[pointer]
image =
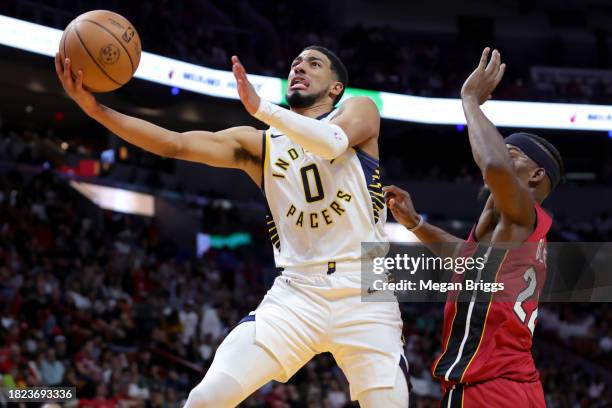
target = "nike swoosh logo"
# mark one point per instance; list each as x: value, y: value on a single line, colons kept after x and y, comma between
x: 275, y: 136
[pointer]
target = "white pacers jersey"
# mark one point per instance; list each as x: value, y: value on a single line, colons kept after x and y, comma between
x: 320, y: 210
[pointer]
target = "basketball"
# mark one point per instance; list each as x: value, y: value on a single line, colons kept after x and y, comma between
x: 105, y: 46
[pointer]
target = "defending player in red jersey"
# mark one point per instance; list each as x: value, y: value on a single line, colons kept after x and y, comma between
x: 486, y: 356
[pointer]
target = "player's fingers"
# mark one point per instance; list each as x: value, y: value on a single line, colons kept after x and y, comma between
x: 500, y: 73
x: 390, y: 189
x: 68, y: 72
x: 398, y: 192
x: 239, y: 74
x: 240, y: 80
x: 389, y: 194
x: 496, y: 61
x: 238, y: 65
x: 493, y: 62
x: 235, y: 72
x: 484, y: 58
x: 79, y: 81
x: 391, y: 204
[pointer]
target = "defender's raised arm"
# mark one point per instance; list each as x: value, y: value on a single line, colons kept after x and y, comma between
x: 488, y: 147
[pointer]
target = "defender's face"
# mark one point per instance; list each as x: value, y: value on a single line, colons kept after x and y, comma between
x: 522, y: 164
x: 524, y: 167
x: 310, y: 74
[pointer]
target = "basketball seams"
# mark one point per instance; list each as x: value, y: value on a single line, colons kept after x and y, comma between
x: 117, y: 39
x: 76, y: 31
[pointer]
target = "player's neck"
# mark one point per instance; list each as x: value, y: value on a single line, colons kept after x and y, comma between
x: 315, y: 110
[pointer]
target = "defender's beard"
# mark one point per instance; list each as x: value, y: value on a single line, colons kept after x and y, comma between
x: 298, y: 100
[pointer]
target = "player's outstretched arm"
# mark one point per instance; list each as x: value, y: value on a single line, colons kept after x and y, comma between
x: 238, y: 147
x: 488, y: 148
x: 357, y: 121
x: 440, y: 242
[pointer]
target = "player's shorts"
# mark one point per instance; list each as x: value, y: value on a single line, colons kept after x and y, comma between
x: 309, y: 311
x: 498, y: 393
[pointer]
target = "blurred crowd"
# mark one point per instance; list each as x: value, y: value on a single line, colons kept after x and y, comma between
x: 102, y: 302
x: 267, y: 35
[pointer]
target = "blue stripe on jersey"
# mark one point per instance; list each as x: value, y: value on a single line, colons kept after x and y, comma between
x: 323, y: 116
x: 247, y: 318
x: 368, y: 163
x: 404, y: 366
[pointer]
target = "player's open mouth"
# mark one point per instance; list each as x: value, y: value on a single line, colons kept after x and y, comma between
x: 299, y: 83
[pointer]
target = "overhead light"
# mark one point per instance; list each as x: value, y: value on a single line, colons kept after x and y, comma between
x: 117, y: 199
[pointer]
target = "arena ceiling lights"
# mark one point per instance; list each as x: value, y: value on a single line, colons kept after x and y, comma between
x: 441, y: 111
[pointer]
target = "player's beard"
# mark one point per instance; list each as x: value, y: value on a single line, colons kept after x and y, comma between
x: 484, y: 193
x: 299, y: 100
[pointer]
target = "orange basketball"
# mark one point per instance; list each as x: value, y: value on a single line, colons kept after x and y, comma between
x: 105, y: 46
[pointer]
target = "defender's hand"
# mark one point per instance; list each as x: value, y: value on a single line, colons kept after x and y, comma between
x: 400, y: 204
x: 246, y: 91
x: 74, y: 88
x: 482, y: 82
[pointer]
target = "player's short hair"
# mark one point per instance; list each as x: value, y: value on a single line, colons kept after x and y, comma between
x: 337, y: 67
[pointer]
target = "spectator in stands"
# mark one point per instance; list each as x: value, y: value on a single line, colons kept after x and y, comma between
x: 52, y: 370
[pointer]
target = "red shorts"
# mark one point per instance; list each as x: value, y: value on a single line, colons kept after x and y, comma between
x: 498, y: 393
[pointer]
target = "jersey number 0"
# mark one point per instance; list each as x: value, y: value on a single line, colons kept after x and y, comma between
x: 310, y: 175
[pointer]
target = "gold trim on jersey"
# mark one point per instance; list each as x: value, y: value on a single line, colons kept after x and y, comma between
x: 270, y: 225
x: 376, y: 194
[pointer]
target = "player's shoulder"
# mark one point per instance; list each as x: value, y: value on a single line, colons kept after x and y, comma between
x: 359, y: 102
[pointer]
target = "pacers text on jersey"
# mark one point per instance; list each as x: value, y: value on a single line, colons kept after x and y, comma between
x: 314, y: 218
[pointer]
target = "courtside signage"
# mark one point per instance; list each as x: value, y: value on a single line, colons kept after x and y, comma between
x: 44, y: 40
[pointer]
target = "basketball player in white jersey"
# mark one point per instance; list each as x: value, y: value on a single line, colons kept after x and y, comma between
x: 318, y: 169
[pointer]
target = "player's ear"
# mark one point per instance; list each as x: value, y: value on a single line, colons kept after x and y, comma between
x: 537, y: 176
x: 337, y: 88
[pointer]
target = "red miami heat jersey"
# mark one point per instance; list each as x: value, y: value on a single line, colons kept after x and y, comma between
x: 489, y: 335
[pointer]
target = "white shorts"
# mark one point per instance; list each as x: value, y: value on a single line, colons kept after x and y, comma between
x: 307, y: 312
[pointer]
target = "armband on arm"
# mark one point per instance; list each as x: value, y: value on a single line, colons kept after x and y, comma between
x: 323, y: 139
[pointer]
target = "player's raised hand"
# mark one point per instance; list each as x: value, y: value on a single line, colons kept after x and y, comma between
x: 401, y: 206
x: 74, y: 87
x: 482, y: 82
x: 246, y: 91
